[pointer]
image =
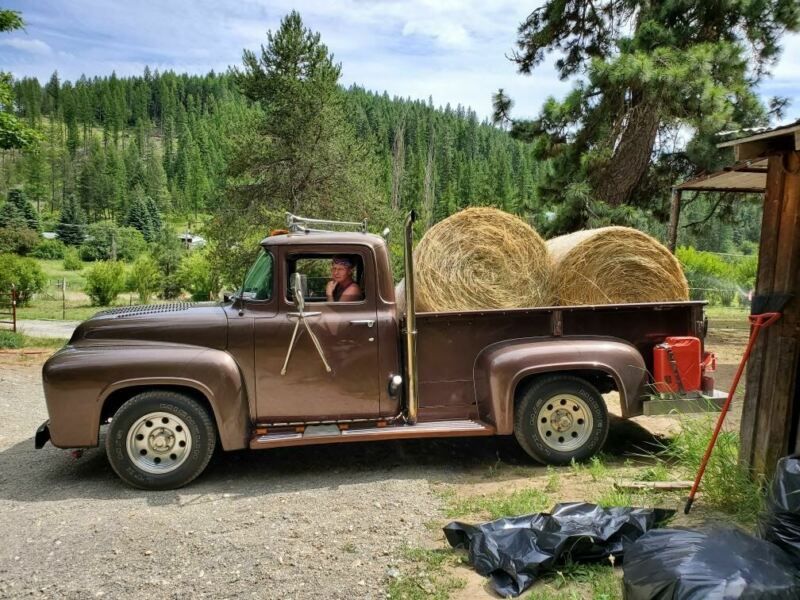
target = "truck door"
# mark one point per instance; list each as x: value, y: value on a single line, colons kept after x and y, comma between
x: 347, y: 332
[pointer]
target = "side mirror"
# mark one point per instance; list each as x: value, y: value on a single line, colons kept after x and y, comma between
x: 299, y: 286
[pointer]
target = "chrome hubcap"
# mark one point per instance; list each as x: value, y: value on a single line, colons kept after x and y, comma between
x: 564, y: 422
x: 159, y: 442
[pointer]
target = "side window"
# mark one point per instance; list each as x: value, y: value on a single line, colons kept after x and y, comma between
x: 258, y: 283
x: 328, y: 277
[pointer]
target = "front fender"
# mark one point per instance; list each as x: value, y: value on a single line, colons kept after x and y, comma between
x: 500, y: 368
x: 79, y: 379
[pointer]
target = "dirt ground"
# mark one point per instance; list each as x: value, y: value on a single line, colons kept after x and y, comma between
x: 326, y: 522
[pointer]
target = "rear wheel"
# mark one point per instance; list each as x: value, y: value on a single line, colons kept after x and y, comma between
x: 560, y: 418
x: 160, y: 440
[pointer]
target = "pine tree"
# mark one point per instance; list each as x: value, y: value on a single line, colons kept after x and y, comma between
x: 71, y: 228
x: 138, y: 215
x: 25, y: 208
x: 14, y: 133
x: 644, y: 69
x: 11, y: 217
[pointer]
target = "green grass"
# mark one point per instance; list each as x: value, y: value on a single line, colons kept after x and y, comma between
x: 596, y: 467
x: 50, y: 310
x: 578, y: 582
x: 426, y: 577
x: 553, y: 481
x: 54, y: 269
x: 727, y: 486
x: 11, y: 340
x: 499, y: 505
x: 728, y: 317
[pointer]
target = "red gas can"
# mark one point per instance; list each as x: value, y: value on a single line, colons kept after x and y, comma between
x: 681, y: 354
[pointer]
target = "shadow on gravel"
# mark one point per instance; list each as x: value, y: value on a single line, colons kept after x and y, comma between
x: 29, y: 475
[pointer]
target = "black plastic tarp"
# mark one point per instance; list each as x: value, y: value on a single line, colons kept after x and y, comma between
x: 514, y: 551
x: 780, y: 523
x: 715, y: 564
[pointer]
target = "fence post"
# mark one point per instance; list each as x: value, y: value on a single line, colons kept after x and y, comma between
x: 13, y: 308
x: 64, y: 299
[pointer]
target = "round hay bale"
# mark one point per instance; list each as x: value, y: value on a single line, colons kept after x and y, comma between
x: 481, y: 258
x: 614, y: 265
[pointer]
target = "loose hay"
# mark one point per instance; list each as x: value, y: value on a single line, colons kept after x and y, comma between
x: 481, y: 258
x: 614, y: 265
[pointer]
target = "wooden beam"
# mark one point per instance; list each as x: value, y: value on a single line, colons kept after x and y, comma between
x: 723, y: 190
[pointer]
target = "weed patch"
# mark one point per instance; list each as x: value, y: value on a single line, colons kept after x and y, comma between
x: 495, y: 506
x: 577, y: 582
x: 427, y: 577
x: 726, y: 485
x: 12, y: 340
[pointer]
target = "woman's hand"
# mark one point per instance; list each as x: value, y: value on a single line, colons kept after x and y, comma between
x: 329, y: 290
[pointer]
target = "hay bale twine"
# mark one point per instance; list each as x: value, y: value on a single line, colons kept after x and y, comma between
x: 481, y: 258
x: 614, y: 265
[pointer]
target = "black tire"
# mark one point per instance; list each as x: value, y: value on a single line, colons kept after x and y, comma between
x: 194, y: 426
x: 572, y: 396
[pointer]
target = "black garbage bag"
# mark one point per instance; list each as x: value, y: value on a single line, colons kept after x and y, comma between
x: 515, y: 550
x: 713, y: 564
x: 780, y: 523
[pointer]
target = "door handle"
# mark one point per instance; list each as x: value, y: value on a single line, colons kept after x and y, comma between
x: 297, y: 315
x: 367, y: 322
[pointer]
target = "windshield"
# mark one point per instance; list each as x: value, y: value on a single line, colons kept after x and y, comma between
x: 258, y: 283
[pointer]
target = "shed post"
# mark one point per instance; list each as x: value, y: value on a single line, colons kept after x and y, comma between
x: 769, y: 427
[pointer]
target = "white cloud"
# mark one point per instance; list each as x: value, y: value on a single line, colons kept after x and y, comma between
x: 447, y: 35
x: 28, y: 45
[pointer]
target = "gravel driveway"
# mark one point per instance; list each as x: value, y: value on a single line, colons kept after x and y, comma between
x: 43, y: 328
x: 325, y: 522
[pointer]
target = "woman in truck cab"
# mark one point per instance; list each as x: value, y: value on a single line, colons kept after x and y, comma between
x: 342, y: 288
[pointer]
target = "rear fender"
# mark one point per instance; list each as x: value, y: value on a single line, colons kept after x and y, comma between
x: 79, y: 379
x: 500, y: 368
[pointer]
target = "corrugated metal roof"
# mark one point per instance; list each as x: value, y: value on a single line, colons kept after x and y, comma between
x: 744, y: 176
x: 762, y: 134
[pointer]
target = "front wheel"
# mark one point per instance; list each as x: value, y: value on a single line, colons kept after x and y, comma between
x: 561, y: 418
x: 160, y: 440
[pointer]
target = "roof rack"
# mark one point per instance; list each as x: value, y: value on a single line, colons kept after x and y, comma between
x: 297, y: 224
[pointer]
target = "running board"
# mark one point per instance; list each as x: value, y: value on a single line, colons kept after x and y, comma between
x: 331, y: 434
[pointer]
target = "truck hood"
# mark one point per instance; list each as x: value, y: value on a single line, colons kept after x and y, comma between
x: 197, y: 324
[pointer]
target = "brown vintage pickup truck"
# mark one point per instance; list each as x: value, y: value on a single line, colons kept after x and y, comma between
x: 279, y: 365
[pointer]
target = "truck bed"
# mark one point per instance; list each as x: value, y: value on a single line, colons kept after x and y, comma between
x: 449, y: 342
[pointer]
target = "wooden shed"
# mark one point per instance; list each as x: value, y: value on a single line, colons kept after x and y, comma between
x: 768, y: 162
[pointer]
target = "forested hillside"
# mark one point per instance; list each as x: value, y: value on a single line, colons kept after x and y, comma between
x: 164, y: 140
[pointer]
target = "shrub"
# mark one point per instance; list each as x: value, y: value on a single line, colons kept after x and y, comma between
x: 709, y: 276
x: 105, y: 280
x: 197, y: 277
x: 168, y: 252
x: 104, y: 239
x: 745, y: 272
x: 72, y: 260
x: 24, y: 273
x: 18, y: 240
x: 144, y: 277
x: 49, y: 250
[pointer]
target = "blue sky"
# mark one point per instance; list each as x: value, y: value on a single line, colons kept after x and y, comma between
x: 451, y: 50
